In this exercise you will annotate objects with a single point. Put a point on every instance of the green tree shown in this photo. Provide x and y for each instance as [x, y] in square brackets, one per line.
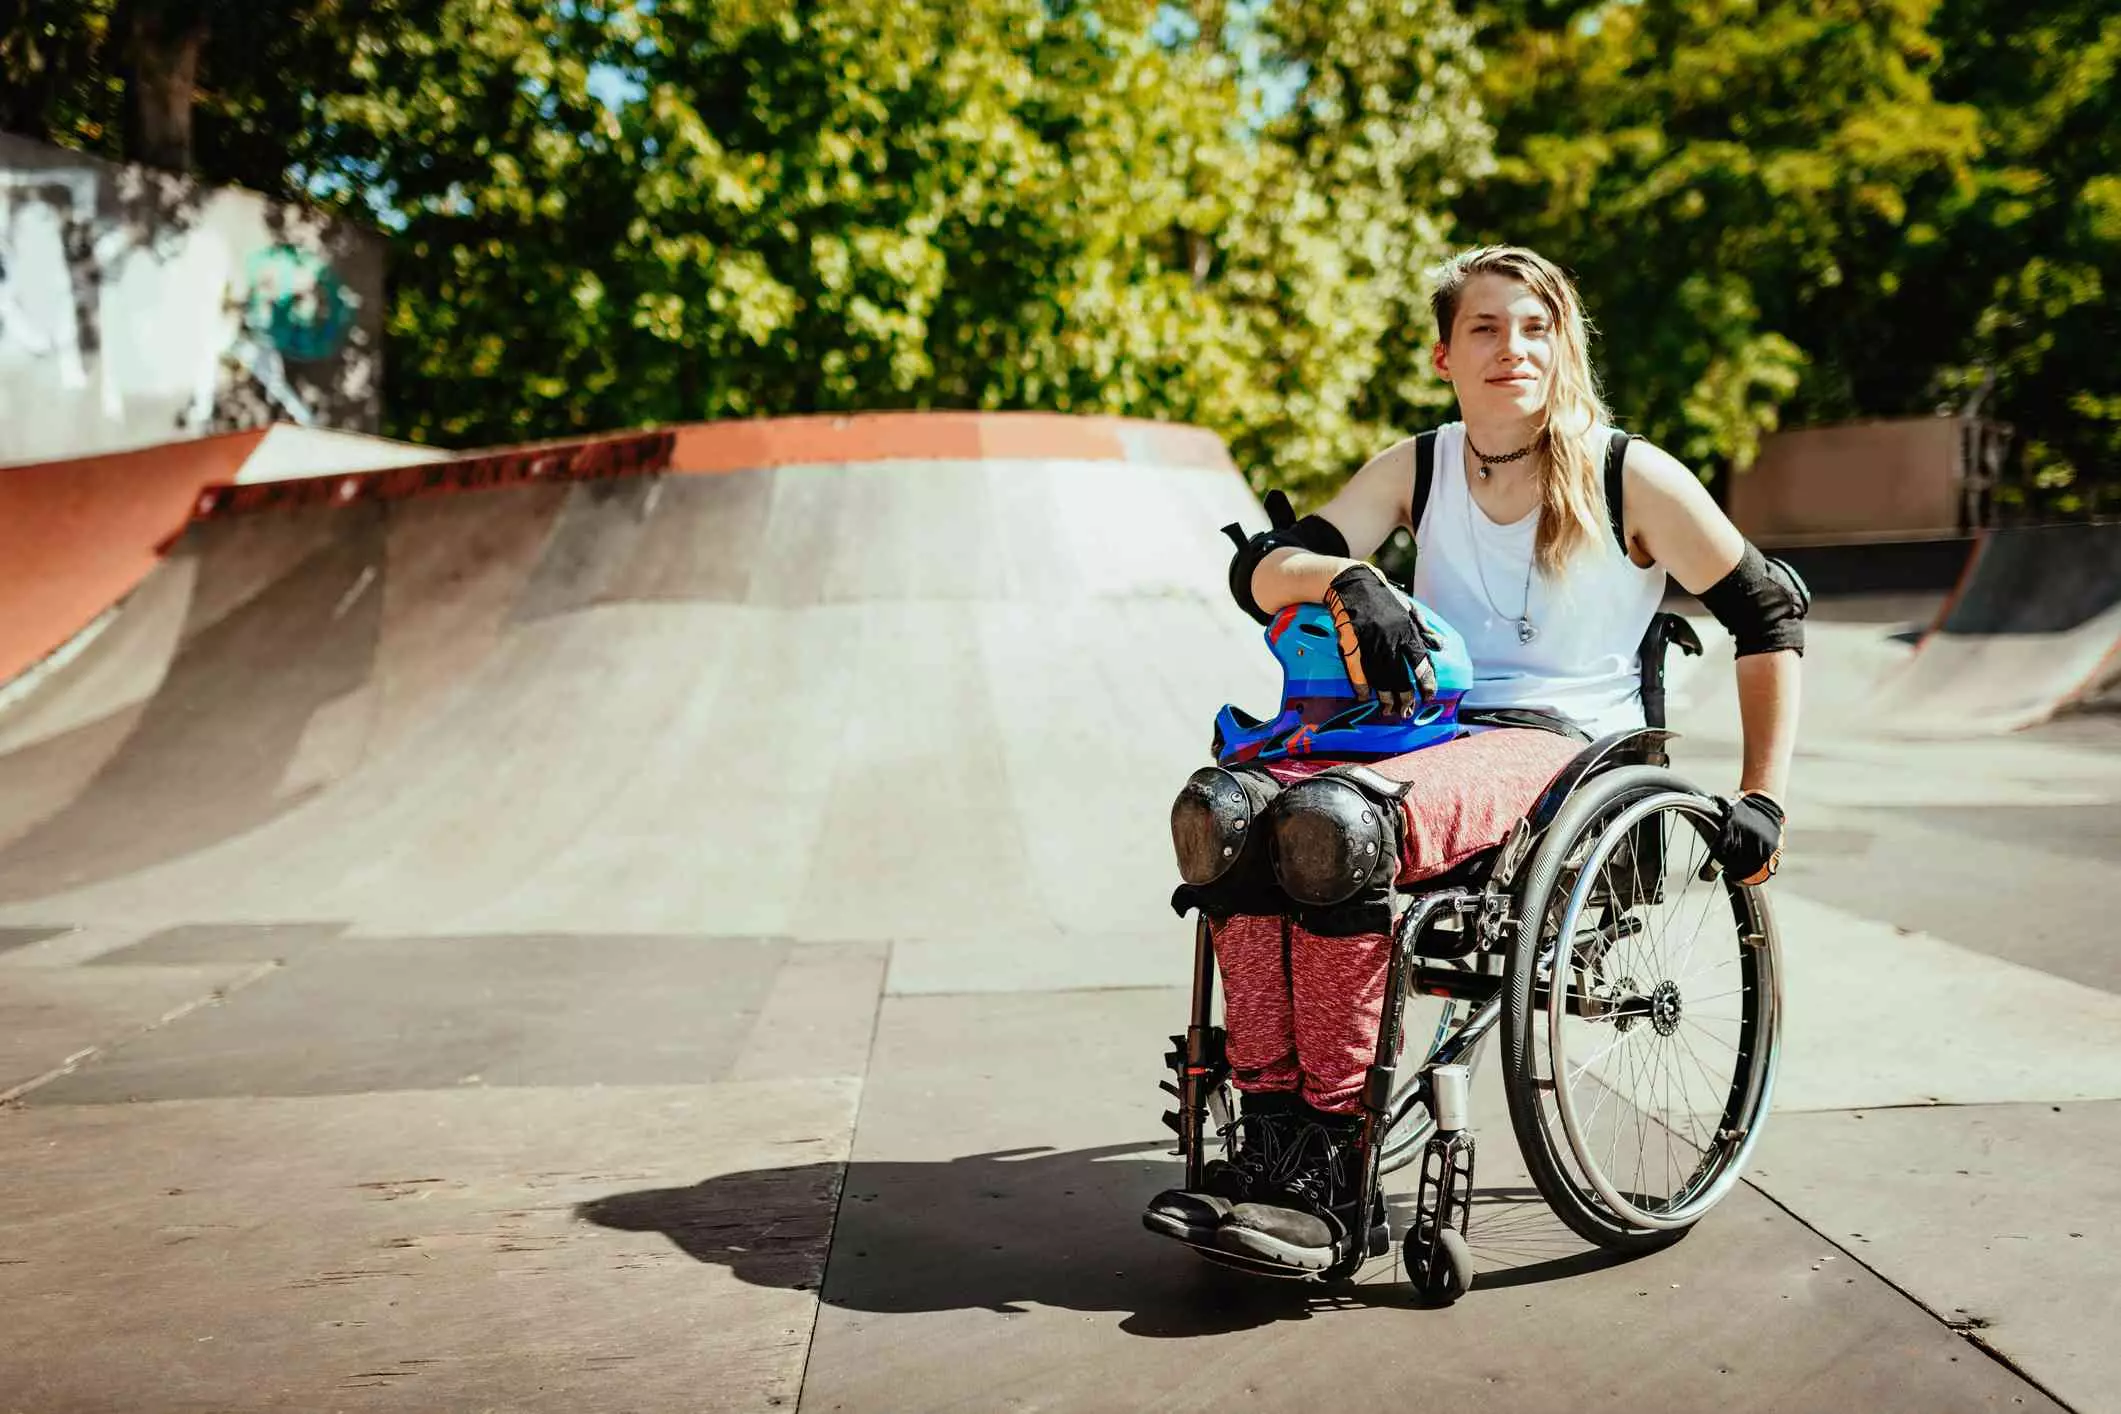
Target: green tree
[233, 90]
[861, 204]
[2029, 297]
[614, 212]
[1732, 182]
[55, 82]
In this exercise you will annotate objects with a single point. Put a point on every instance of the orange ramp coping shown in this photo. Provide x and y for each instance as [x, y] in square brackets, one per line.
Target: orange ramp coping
[709, 447]
[77, 536]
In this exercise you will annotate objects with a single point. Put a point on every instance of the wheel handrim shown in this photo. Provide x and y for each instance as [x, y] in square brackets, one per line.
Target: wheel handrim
[1663, 1048]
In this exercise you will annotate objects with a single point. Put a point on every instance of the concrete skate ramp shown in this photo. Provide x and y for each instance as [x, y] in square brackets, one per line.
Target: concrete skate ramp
[914, 699]
[2034, 626]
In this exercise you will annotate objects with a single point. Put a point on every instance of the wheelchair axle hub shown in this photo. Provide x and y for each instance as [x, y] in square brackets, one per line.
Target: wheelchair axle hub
[1665, 1008]
[1662, 1006]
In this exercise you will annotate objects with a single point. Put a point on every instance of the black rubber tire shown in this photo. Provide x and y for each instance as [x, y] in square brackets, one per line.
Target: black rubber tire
[1585, 1214]
[1442, 1281]
[1460, 1258]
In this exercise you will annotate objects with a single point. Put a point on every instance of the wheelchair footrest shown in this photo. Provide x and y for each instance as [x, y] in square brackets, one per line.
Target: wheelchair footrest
[1254, 1268]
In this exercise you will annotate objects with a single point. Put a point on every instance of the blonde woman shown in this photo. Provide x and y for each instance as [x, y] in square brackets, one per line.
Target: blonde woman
[1553, 587]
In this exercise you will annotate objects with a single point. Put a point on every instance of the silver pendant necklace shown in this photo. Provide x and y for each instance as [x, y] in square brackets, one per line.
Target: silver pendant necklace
[1526, 629]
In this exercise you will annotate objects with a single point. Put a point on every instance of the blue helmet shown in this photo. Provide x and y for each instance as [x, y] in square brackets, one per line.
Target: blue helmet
[1320, 714]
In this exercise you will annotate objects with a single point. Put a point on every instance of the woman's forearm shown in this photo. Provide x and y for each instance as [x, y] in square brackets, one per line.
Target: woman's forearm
[1767, 712]
[1292, 576]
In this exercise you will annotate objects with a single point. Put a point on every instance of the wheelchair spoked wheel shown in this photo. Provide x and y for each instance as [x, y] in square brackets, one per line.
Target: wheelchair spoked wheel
[1642, 1013]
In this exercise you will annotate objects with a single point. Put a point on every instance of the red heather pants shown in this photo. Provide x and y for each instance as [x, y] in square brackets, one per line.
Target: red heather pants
[1308, 1021]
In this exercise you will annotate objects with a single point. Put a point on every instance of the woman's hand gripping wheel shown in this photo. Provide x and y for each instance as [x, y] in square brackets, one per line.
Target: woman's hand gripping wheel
[1750, 845]
[1384, 642]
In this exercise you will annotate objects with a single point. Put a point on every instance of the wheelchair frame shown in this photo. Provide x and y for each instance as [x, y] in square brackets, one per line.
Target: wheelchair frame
[1398, 1113]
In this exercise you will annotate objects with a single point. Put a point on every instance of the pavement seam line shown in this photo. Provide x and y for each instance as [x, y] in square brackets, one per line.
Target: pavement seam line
[1953, 1104]
[839, 1195]
[1052, 991]
[1962, 1330]
[14, 1094]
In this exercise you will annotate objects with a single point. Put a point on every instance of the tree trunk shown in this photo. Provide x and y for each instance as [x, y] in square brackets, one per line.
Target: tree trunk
[162, 41]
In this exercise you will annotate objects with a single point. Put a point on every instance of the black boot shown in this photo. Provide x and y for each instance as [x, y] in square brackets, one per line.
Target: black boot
[1267, 1130]
[1309, 1219]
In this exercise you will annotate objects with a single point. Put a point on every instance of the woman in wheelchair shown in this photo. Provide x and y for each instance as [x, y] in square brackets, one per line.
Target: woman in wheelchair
[1545, 537]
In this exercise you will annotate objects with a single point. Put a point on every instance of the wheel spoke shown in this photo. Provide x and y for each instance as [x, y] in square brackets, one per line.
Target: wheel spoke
[1702, 1023]
[1664, 1120]
[1706, 1073]
[1710, 896]
[1620, 1039]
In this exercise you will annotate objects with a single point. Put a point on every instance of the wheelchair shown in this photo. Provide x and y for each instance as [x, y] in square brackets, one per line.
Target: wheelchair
[1638, 992]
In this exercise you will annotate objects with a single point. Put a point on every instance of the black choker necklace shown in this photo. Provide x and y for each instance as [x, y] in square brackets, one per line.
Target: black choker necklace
[1488, 463]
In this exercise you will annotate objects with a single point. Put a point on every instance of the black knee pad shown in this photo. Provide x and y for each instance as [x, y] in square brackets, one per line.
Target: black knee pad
[1336, 837]
[1213, 820]
[1216, 823]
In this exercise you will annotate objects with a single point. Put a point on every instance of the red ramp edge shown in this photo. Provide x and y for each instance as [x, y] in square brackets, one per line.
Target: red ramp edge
[706, 448]
[77, 536]
[600, 459]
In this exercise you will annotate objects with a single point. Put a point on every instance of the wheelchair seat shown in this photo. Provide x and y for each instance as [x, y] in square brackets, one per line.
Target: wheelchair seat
[1469, 873]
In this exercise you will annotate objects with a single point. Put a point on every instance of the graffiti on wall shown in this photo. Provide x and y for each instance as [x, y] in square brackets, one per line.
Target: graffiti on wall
[134, 309]
[37, 301]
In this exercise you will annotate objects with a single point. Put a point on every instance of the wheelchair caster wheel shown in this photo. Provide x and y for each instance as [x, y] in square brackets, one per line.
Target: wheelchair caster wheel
[1442, 1273]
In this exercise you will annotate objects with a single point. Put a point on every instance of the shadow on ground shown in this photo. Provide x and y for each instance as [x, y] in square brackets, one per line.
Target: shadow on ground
[1008, 1230]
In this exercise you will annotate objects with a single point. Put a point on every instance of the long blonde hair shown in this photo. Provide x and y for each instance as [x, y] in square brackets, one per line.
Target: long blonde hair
[1572, 510]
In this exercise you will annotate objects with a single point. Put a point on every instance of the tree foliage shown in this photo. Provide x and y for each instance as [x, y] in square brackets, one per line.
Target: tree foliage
[2030, 301]
[861, 203]
[613, 212]
[101, 76]
[1732, 182]
[55, 82]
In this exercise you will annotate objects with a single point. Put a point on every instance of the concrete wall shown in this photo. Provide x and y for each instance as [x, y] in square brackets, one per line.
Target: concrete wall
[1900, 479]
[137, 307]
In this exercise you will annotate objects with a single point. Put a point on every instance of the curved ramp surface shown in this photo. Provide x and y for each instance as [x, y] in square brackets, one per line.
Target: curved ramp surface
[696, 703]
[2033, 627]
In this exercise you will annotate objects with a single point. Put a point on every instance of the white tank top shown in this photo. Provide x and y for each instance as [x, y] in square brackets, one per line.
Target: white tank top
[1584, 658]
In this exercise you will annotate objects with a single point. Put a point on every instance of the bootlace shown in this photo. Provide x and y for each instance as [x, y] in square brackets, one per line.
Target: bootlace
[1266, 1143]
[1321, 1181]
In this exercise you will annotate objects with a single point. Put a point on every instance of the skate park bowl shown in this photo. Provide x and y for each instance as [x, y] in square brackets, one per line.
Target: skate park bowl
[2027, 629]
[2032, 627]
[678, 921]
[698, 700]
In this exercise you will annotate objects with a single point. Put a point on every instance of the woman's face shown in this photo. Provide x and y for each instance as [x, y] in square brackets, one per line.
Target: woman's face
[1501, 352]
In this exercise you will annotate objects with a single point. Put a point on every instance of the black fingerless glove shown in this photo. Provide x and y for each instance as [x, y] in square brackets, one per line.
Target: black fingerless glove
[1381, 639]
[1750, 846]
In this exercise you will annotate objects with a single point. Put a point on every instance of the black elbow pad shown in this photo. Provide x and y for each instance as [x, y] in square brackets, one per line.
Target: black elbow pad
[1314, 533]
[1762, 602]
